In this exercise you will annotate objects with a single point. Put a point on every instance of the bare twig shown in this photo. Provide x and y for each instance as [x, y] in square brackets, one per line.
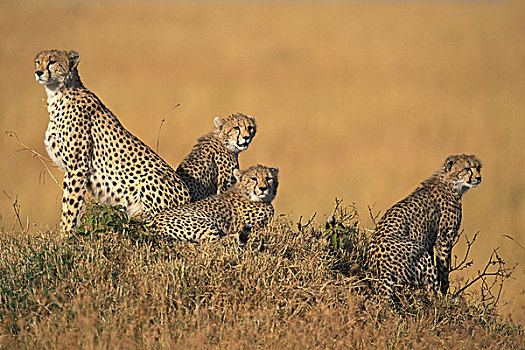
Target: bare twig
[300, 226]
[16, 208]
[40, 157]
[158, 135]
[501, 274]
[161, 124]
[512, 239]
[463, 264]
[372, 216]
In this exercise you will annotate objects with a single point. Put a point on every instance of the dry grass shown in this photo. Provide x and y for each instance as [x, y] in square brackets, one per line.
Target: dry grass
[285, 289]
[355, 100]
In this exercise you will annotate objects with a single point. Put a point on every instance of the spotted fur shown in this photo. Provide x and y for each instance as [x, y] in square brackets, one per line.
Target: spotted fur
[87, 141]
[403, 243]
[208, 169]
[246, 203]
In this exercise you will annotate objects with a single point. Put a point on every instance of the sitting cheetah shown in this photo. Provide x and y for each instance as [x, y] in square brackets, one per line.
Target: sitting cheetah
[402, 247]
[246, 204]
[96, 153]
[208, 169]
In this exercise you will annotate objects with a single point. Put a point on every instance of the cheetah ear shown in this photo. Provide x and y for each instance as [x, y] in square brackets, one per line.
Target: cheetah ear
[238, 174]
[475, 160]
[74, 58]
[449, 162]
[38, 55]
[218, 122]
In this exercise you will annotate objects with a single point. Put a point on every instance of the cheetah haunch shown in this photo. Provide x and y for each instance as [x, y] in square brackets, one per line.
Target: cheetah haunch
[208, 169]
[245, 205]
[403, 243]
[87, 141]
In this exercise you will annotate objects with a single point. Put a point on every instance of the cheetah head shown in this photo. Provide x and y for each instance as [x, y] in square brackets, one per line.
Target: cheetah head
[463, 172]
[55, 67]
[258, 182]
[237, 131]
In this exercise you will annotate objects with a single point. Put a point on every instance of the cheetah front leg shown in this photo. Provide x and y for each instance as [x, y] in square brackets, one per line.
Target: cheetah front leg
[259, 216]
[224, 182]
[72, 199]
[444, 244]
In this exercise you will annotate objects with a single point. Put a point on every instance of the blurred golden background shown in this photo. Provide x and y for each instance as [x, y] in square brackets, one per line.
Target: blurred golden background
[359, 101]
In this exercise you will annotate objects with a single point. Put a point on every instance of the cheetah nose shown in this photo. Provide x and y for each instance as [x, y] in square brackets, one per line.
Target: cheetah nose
[263, 188]
[246, 138]
[39, 73]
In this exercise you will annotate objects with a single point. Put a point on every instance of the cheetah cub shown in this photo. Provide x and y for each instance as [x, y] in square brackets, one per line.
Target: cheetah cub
[245, 205]
[208, 169]
[87, 141]
[403, 243]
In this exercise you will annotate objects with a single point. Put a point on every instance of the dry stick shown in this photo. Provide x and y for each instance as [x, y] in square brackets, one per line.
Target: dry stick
[40, 157]
[502, 273]
[481, 275]
[300, 226]
[512, 239]
[372, 217]
[16, 208]
[489, 289]
[158, 135]
[500, 289]
[463, 264]
[499, 275]
[162, 123]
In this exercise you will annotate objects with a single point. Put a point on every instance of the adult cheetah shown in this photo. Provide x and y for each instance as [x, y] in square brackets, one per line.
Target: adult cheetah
[87, 141]
[403, 243]
[208, 169]
[246, 204]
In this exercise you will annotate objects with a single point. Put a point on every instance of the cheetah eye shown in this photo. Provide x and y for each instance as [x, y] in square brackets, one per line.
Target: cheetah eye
[254, 179]
[269, 179]
[238, 128]
[250, 128]
[52, 62]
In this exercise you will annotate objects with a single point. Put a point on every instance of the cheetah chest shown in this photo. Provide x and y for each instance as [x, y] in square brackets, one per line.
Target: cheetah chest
[52, 140]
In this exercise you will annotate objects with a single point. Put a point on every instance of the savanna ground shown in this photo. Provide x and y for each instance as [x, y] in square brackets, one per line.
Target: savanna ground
[359, 101]
[297, 287]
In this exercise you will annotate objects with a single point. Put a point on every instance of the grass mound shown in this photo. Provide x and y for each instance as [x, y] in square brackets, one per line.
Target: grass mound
[291, 286]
